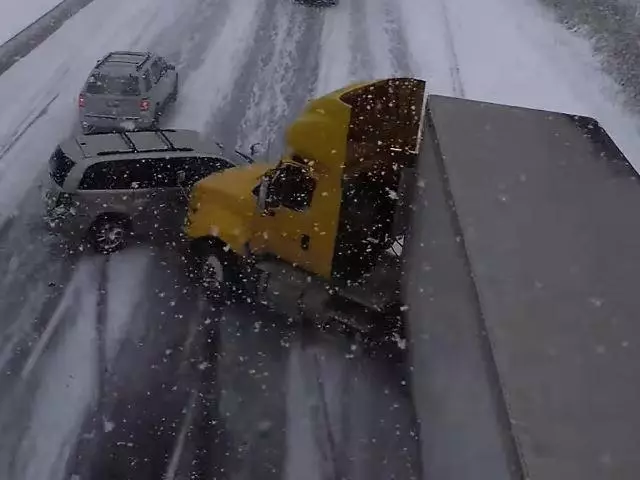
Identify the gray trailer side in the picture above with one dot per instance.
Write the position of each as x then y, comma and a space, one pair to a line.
520, 277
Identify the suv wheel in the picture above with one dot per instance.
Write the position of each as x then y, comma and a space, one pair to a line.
110, 234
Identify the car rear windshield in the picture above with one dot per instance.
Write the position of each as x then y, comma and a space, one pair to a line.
100, 84
59, 166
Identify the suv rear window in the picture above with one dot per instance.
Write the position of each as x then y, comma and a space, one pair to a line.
59, 166
100, 84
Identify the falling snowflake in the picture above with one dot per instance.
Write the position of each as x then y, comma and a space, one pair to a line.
596, 302
401, 342
108, 426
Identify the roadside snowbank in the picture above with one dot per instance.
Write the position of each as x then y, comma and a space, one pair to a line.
16, 15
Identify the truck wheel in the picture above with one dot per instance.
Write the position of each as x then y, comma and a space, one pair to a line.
214, 269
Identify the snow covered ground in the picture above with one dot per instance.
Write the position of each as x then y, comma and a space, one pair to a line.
246, 69
16, 15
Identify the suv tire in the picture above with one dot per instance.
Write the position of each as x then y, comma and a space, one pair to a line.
109, 234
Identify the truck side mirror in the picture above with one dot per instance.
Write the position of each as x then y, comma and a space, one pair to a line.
263, 190
254, 148
264, 194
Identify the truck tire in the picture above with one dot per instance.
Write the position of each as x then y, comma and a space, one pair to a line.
214, 270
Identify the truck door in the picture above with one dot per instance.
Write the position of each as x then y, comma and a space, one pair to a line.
184, 173
286, 229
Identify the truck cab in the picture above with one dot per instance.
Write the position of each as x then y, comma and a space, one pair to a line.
326, 217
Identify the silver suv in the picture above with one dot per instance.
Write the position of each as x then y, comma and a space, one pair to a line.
127, 91
105, 187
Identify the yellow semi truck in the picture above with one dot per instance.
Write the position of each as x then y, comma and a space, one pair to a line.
505, 237
321, 231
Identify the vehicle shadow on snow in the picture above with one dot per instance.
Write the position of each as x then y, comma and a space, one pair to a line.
151, 393
198, 392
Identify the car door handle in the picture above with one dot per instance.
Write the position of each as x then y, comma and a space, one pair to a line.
305, 240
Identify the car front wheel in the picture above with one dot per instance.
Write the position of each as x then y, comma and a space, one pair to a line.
110, 234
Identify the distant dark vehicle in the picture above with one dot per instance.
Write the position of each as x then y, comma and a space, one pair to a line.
318, 3
127, 91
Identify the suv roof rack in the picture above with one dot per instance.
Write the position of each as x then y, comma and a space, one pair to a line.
169, 145
143, 56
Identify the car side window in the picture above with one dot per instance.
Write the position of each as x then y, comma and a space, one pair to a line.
156, 70
201, 167
197, 168
144, 173
105, 176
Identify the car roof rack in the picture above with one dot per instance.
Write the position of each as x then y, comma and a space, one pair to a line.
143, 57
169, 145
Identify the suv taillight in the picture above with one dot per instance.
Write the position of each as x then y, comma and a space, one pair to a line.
81, 100
144, 105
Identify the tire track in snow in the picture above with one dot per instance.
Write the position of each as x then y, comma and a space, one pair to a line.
152, 346
288, 76
349, 412
456, 77
251, 363
206, 95
225, 122
25, 41
201, 24
57, 375
362, 64
401, 62
335, 59
24, 126
308, 455
29, 318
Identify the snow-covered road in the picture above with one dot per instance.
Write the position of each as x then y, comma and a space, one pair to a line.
84, 340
